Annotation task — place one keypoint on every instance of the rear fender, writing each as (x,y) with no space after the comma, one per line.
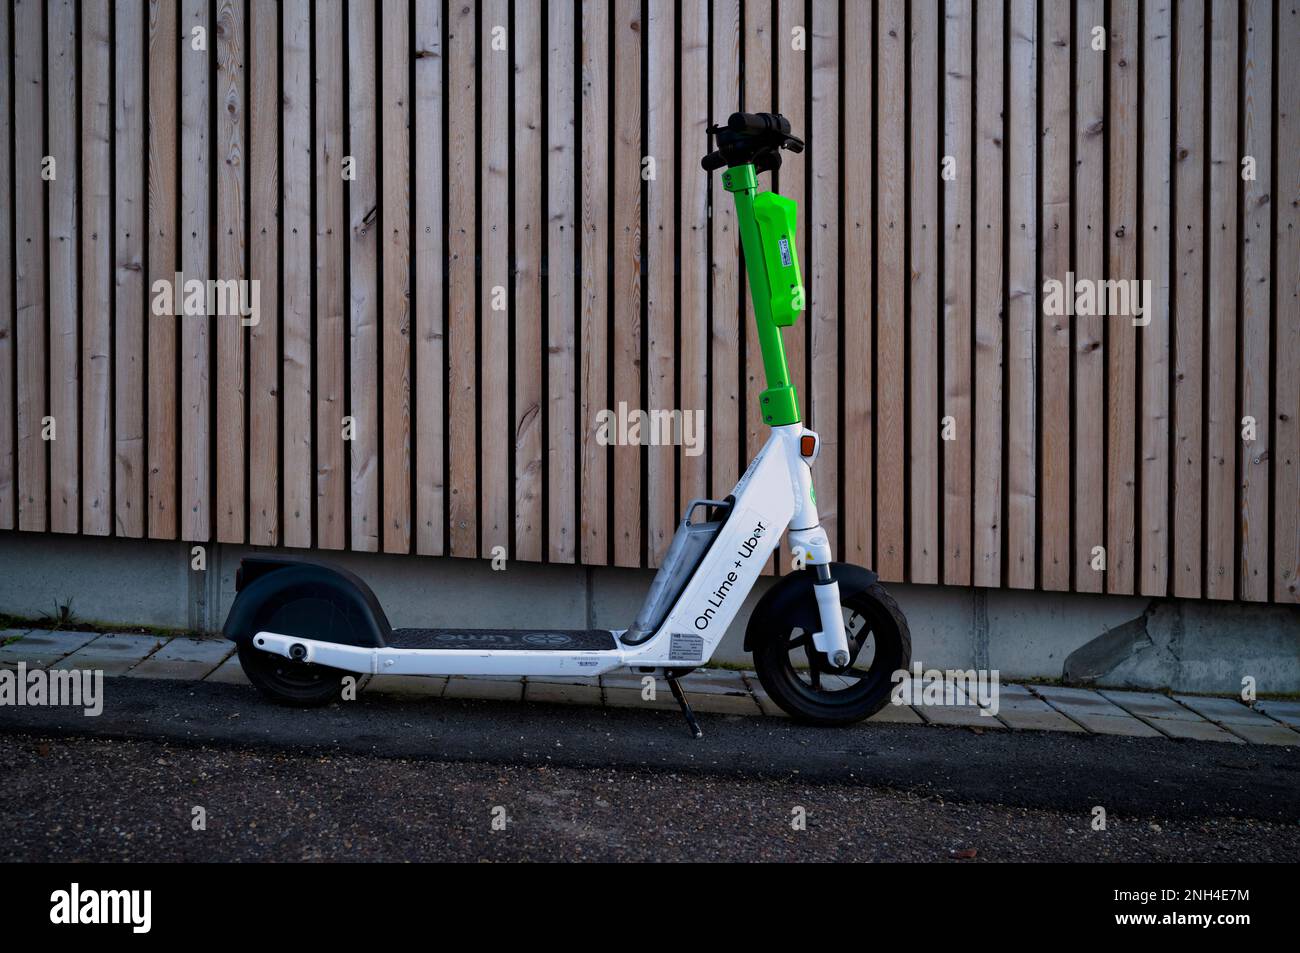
(309,600)
(791,602)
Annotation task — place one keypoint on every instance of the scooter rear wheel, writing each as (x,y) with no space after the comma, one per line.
(813,691)
(286,682)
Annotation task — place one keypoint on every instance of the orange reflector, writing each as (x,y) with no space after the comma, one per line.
(807,445)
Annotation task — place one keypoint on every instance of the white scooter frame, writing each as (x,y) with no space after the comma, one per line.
(774,494)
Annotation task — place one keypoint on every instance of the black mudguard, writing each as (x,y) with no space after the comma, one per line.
(792,602)
(307,599)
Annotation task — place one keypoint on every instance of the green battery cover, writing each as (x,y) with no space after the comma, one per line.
(776,217)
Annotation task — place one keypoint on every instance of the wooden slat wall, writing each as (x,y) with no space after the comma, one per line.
(475,226)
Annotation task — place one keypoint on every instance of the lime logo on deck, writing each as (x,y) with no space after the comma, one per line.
(546,638)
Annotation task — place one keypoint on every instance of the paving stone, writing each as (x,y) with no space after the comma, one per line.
(184,659)
(427,686)
(1270,734)
(484,687)
(1200,730)
(717,681)
(1287,712)
(112,654)
(39,648)
(631,698)
(965,716)
(1224,711)
(1020,698)
(1150,705)
(1025,718)
(561,693)
(229,672)
(564,680)
(626,679)
(1121,724)
(713,703)
(1084,699)
(893,714)
(917,694)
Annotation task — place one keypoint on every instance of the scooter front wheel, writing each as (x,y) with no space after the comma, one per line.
(809,688)
(298,684)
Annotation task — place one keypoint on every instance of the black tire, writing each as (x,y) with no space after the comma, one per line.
(297,684)
(807,695)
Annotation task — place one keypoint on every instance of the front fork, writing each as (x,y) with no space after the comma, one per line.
(810,546)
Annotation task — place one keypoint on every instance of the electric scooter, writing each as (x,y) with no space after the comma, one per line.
(826,639)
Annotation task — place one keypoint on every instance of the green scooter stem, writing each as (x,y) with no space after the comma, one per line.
(767,256)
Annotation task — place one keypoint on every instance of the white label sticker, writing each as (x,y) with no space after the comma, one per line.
(784,245)
(684,647)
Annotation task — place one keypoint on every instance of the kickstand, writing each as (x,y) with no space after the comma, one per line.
(686,706)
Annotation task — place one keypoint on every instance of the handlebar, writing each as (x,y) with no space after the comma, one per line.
(756,138)
(759,122)
(713,161)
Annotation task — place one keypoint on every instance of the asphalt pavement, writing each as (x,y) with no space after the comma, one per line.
(386,779)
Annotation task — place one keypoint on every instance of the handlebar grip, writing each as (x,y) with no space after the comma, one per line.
(713,161)
(759,122)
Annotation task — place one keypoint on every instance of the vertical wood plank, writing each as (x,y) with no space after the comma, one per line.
(494,286)
(725,264)
(463,292)
(625,308)
(29,261)
(1122,265)
(1157,91)
(924,228)
(395,220)
(1089,264)
(264,267)
(957,226)
(1189,301)
(990,162)
(161,248)
(661,482)
(1286,291)
(231,374)
(96,271)
(1256,297)
(891,319)
(8,412)
(527,426)
(1222,420)
(363,276)
(430,272)
(1023,300)
(791,41)
(1054,444)
(196,219)
(595,278)
(757,96)
(130,148)
(331,521)
(296,234)
(64,224)
(561,303)
(693,249)
(823,263)
(859,287)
